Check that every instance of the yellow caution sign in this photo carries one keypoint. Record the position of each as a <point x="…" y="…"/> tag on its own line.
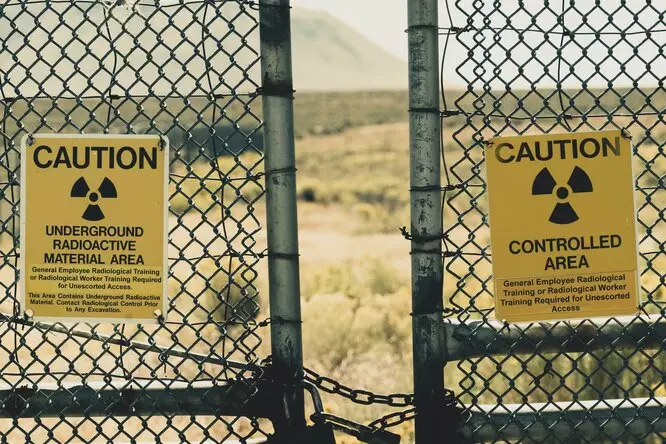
<point x="94" y="228"/>
<point x="562" y="226"/>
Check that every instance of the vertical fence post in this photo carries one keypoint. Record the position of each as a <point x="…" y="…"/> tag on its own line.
<point x="426" y="223"/>
<point x="281" y="214"/>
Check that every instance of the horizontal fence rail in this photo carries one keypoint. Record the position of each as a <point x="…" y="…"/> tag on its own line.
<point x="468" y="340"/>
<point x="608" y="419"/>
<point x="102" y="399"/>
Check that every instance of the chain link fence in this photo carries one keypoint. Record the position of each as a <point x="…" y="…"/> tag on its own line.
<point x="188" y="70"/>
<point x="534" y="68"/>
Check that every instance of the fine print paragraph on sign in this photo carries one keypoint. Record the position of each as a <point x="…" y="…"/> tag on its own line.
<point x="562" y="226"/>
<point x="94" y="228"/>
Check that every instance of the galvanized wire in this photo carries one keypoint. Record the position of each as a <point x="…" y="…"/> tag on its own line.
<point x="187" y="70"/>
<point x="534" y="68"/>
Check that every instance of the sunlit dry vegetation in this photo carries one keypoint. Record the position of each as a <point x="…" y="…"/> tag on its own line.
<point x="353" y="190"/>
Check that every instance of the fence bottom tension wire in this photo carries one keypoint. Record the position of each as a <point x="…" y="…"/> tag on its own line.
<point x="376" y="432"/>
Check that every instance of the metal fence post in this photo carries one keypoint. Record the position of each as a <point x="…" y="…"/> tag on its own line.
<point x="281" y="215"/>
<point x="426" y="223"/>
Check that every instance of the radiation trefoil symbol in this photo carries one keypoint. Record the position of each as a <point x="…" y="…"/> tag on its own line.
<point x="106" y="190"/>
<point x="579" y="182"/>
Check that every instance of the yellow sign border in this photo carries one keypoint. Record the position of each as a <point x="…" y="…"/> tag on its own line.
<point x="24" y="217"/>
<point x="522" y="318"/>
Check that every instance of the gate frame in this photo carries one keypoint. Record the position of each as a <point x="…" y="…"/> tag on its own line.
<point x="426" y="221"/>
<point x="282" y="216"/>
<point x="438" y="341"/>
<point x="279" y="394"/>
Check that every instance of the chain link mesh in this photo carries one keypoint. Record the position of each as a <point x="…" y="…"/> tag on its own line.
<point x="534" y="68"/>
<point x="188" y="70"/>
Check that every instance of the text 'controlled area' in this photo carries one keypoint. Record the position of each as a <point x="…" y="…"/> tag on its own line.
<point x="563" y="226"/>
<point x="95" y="245"/>
<point x="569" y="252"/>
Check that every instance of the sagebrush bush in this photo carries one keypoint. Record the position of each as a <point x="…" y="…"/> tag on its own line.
<point x="355" y="279"/>
<point x="357" y="330"/>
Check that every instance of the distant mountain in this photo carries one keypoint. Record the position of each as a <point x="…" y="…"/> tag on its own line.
<point x="329" y="55"/>
<point x="86" y="50"/>
<point x="143" y="47"/>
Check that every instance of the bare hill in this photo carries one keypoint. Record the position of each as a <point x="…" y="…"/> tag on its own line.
<point x="331" y="56"/>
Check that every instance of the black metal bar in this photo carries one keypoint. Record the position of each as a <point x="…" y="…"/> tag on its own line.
<point x="580" y="421"/>
<point x="475" y="339"/>
<point x="109" y="399"/>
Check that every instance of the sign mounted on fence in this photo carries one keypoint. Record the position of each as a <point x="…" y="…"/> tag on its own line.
<point x="562" y="226"/>
<point x="94" y="227"/>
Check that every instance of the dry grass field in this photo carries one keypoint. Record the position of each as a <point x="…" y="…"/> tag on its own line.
<point x="355" y="273"/>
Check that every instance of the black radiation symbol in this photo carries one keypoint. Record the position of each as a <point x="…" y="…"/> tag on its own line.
<point x="106" y="190"/>
<point x="579" y="182"/>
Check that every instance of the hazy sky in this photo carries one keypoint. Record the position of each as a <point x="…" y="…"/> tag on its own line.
<point x="382" y="21"/>
<point x="584" y="58"/>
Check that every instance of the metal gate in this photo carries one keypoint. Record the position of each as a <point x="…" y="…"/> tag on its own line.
<point x="517" y="67"/>
<point x="189" y="70"/>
